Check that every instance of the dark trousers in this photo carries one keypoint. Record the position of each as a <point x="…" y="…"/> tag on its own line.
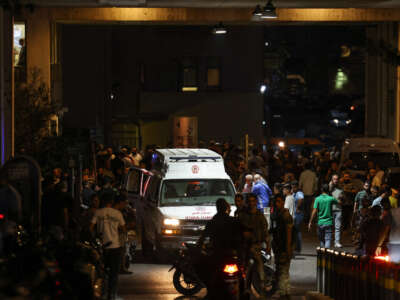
<point x="308" y="203"/>
<point x="112" y="261"/>
<point x="298" y="221"/>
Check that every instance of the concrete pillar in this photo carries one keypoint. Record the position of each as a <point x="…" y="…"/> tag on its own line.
<point x="381" y="80"/>
<point x="108" y="102"/>
<point x="6" y="86"/>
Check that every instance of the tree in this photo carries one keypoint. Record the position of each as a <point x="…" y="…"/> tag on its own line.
<point x="33" y="110"/>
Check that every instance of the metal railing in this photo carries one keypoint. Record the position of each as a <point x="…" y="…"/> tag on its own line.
<point x="345" y="276"/>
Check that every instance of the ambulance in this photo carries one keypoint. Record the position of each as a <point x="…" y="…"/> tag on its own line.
<point x="175" y="200"/>
<point x="382" y="151"/>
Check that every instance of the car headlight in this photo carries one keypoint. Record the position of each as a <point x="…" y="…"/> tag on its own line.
<point x="171" y="222"/>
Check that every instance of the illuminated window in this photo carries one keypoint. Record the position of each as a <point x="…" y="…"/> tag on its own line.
<point x="189" y="75"/>
<point x="19" y="45"/>
<point x="341" y="79"/>
<point x="213" y="72"/>
<point x="213" y="77"/>
<point x="19" y="52"/>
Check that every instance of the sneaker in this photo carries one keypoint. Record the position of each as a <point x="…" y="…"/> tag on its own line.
<point x="338" y="245"/>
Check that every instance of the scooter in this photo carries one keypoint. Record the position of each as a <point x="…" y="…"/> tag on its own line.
<point x="226" y="281"/>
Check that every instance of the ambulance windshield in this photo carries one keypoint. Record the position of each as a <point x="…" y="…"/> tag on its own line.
<point x="196" y="192"/>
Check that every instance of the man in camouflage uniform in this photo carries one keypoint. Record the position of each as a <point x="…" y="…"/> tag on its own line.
<point x="255" y="228"/>
<point x="281" y="229"/>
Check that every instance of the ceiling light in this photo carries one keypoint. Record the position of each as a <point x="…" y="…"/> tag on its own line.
<point x="263" y="88"/>
<point x="269" y="11"/>
<point x="219" y="29"/>
<point x="257" y="11"/>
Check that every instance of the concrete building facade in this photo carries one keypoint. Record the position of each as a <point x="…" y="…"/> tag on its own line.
<point x="44" y="48"/>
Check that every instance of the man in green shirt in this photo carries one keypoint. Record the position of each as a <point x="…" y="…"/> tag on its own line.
<point x="323" y="207"/>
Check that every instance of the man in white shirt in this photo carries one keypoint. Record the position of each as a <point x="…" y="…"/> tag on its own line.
<point x="289" y="199"/>
<point x="109" y="221"/>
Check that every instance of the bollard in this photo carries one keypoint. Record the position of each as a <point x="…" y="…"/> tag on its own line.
<point x="356" y="270"/>
<point x="396" y="291"/>
<point x="329" y="273"/>
<point x="339" y="290"/>
<point x="363" y="265"/>
<point x="324" y="271"/>
<point x="389" y="282"/>
<point x="319" y="269"/>
<point x="345" y="277"/>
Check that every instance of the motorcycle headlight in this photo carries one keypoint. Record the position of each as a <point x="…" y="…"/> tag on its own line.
<point x="171" y="222"/>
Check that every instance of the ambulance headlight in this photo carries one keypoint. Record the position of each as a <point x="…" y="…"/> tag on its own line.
<point x="171" y="222"/>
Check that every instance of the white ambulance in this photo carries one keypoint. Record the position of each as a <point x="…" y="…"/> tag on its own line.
<point x="176" y="199"/>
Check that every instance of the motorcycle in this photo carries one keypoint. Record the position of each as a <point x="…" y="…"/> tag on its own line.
<point x="81" y="265"/>
<point x="27" y="271"/>
<point x="227" y="282"/>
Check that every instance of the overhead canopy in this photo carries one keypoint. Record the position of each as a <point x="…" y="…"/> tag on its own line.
<point x="219" y="3"/>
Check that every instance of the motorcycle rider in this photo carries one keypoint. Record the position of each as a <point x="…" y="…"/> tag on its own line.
<point x="256" y="236"/>
<point x="222" y="231"/>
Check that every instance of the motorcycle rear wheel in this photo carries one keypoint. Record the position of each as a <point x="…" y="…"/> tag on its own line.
<point x="255" y="280"/>
<point x="184" y="287"/>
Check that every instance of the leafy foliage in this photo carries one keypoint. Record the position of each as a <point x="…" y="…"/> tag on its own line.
<point x="33" y="109"/>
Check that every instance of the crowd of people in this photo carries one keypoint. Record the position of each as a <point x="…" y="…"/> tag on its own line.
<point x="293" y="189"/>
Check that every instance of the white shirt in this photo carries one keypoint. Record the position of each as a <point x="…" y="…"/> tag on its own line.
<point x="108" y="220"/>
<point x="290" y="204"/>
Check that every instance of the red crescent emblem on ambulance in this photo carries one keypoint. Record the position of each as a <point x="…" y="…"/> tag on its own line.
<point x="195" y="169"/>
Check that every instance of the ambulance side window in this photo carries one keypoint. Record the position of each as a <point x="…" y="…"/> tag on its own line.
<point x="133" y="182"/>
<point x="154" y="190"/>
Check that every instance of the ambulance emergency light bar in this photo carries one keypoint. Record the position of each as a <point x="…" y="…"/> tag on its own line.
<point x="194" y="158"/>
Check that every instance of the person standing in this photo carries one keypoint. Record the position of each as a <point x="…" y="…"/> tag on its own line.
<point x="360" y="195"/>
<point x="308" y="183"/>
<point x="336" y="193"/>
<point x="387" y="223"/>
<point x="248" y="186"/>
<point x="109" y="221"/>
<point x="136" y="156"/>
<point x="281" y="228"/>
<point x="289" y="199"/>
<point x="257" y="237"/>
<point x="120" y="204"/>
<point x="239" y="202"/>
<point x="262" y="191"/>
<point x="323" y="210"/>
<point x="298" y="215"/>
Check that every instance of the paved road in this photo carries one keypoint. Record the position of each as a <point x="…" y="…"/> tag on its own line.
<point x="153" y="282"/>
